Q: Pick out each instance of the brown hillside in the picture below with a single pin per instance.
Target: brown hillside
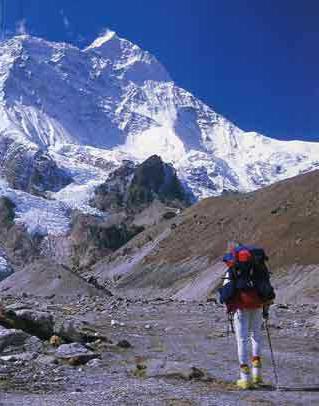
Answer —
(181, 258)
(283, 218)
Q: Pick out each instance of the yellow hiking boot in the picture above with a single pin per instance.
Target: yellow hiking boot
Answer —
(244, 382)
(257, 380)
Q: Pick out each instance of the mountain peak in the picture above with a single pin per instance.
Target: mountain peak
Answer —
(106, 36)
(127, 58)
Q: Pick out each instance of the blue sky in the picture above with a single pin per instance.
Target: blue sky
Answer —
(254, 61)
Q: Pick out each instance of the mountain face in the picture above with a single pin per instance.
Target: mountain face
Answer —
(70, 116)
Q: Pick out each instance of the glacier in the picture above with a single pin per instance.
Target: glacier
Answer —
(90, 109)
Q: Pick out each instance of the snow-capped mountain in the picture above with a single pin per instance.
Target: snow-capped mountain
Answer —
(86, 110)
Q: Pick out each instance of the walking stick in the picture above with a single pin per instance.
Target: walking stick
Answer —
(231, 321)
(272, 354)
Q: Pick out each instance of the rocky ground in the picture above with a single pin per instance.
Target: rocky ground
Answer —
(115, 351)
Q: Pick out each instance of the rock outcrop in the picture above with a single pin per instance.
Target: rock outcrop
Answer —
(133, 188)
(29, 169)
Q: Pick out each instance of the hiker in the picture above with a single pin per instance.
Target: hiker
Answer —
(247, 293)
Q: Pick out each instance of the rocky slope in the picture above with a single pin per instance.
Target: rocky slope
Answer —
(181, 259)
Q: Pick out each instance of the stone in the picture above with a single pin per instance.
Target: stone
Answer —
(74, 330)
(33, 344)
(169, 369)
(36, 323)
(47, 360)
(75, 354)
(12, 338)
(24, 357)
(115, 323)
(282, 306)
(124, 344)
(94, 363)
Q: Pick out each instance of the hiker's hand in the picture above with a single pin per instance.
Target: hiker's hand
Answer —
(269, 303)
(266, 312)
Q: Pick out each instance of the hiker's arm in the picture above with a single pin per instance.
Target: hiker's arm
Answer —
(266, 307)
(227, 277)
(266, 311)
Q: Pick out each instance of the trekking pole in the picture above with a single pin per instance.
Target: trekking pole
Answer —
(231, 322)
(272, 354)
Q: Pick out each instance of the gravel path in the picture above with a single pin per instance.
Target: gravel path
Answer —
(192, 334)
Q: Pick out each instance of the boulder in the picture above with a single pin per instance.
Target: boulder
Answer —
(169, 369)
(12, 338)
(75, 330)
(24, 357)
(95, 363)
(33, 344)
(124, 344)
(75, 354)
(47, 360)
(36, 323)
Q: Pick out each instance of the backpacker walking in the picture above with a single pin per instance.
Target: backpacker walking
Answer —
(247, 293)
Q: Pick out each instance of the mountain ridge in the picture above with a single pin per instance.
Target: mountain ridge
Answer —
(88, 110)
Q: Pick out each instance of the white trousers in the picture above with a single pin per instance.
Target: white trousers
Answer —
(248, 326)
